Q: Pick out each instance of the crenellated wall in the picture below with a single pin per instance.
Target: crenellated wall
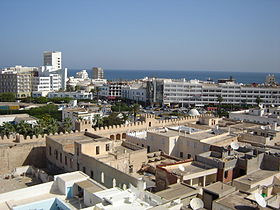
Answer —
(148, 121)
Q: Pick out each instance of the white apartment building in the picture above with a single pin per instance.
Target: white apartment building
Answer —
(265, 116)
(53, 58)
(48, 79)
(112, 90)
(135, 92)
(17, 80)
(75, 95)
(197, 92)
(82, 74)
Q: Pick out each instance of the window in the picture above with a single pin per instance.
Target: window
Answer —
(84, 169)
(107, 147)
(56, 154)
(91, 174)
(60, 157)
(50, 151)
(97, 150)
(181, 154)
(226, 174)
(78, 166)
(78, 151)
(71, 163)
(65, 160)
(130, 168)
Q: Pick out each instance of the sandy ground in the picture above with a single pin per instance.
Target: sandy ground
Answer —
(7, 185)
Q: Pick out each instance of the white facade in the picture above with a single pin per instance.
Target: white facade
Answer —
(75, 114)
(53, 58)
(113, 89)
(75, 95)
(48, 79)
(197, 92)
(269, 116)
(135, 92)
(17, 80)
(82, 74)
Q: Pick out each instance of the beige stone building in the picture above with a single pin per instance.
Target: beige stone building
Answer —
(109, 162)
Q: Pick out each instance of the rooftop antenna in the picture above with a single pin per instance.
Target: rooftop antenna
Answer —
(260, 200)
(196, 203)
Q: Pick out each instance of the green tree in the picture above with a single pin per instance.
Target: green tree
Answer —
(220, 100)
(135, 110)
(24, 128)
(7, 129)
(258, 100)
(96, 92)
(7, 97)
(51, 126)
(39, 128)
(98, 120)
(67, 125)
(77, 88)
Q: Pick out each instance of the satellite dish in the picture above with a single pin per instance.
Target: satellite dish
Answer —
(234, 145)
(181, 168)
(196, 203)
(262, 127)
(260, 200)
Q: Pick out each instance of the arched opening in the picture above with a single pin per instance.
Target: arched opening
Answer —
(123, 135)
(114, 182)
(150, 124)
(118, 136)
(112, 137)
(102, 177)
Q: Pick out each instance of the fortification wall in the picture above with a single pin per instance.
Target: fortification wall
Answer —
(149, 122)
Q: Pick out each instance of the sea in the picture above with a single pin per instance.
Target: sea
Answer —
(240, 77)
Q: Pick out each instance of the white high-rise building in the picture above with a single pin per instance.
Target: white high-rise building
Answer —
(53, 58)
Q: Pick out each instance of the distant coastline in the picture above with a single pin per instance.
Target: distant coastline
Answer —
(241, 77)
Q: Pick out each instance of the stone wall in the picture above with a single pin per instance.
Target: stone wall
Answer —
(15, 155)
(148, 121)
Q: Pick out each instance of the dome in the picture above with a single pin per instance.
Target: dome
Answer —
(193, 112)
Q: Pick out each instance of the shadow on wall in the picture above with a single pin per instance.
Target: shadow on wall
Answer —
(36, 157)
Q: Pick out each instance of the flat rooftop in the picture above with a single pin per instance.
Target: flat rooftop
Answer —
(176, 191)
(255, 177)
(76, 137)
(219, 189)
(237, 200)
(72, 176)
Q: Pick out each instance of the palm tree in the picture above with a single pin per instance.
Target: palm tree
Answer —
(258, 100)
(52, 126)
(96, 91)
(7, 129)
(67, 125)
(220, 100)
(39, 128)
(98, 120)
(24, 128)
(135, 110)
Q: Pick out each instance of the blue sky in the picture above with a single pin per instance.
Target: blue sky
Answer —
(229, 35)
